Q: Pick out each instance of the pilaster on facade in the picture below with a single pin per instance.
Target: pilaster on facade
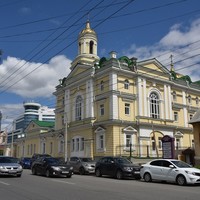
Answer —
(67, 107)
(89, 99)
(112, 81)
(185, 113)
(145, 97)
(140, 97)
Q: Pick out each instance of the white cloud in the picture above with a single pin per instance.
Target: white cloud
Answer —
(182, 41)
(39, 83)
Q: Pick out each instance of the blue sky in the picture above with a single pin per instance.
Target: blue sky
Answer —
(38, 39)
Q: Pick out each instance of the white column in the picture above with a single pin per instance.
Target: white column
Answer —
(166, 103)
(139, 89)
(114, 107)
(145, 97)
(170, 103)
(89, 99)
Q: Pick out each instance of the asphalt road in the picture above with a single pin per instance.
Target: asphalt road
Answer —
(30, 187)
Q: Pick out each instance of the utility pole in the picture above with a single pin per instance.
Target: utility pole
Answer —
(12, 140)
(0, 120)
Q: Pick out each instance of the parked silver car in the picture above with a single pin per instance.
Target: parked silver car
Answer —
(82, 165)
(170, 170)
(10, 166)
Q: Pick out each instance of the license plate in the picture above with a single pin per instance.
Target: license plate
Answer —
(12, 172)
(136, 172)
(65, 172)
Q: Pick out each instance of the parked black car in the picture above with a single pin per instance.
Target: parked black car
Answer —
(118, 167)
(50, 166)
(25, 162)
(36, 156)
(82, 165)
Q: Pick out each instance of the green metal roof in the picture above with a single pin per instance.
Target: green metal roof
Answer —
(44, 123)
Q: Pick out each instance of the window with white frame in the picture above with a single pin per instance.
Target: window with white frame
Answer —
(100, 140)
(51, 147)
(73, 144)
(78, 108)
(176, 116)
(178, 143)
(102, 109)
(102, 86)
(127, 108)
(126, 84)
(82, 144)
(43, 147)
(128, 139)
(77, 144)
(154, 105)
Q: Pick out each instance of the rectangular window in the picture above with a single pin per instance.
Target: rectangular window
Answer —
(82, 144)
(176, 116)
(51, 147)
(102, 109)
(127, 108)
(177, 143)
(128, 140)
(77, 144)
(101, 143)
(73, 144)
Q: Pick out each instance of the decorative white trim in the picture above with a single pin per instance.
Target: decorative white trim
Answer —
(184, 109)
(166, 102)
(113, 81)
(140, 107)
(145, 98)
(170, 103)
(89, 99)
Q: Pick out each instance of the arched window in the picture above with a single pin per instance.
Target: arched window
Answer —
(189, 100)
(126, 84)
(91, 47)
(154, 105)
(78, 107)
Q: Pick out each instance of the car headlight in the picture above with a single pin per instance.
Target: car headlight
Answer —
(2, 167)
(55, 168)
(71, 168)
(128, 168)
(188, 172)
(20, 167)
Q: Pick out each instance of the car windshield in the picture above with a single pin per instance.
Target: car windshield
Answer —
(8, 160)
(86, 159)
(122, 160)
(53, 161)
(181, 164)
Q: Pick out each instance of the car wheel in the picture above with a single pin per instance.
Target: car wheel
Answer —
(81, 171)
(180, 180)
(47, 173)
(34, 171)
(98, 172)
(147, 177)
(119, 174)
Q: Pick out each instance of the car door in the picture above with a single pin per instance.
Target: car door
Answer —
(105, 165)
(168, 172)
(74, 162)
(156, 169)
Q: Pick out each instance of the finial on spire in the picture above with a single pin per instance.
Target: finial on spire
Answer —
(172, 65)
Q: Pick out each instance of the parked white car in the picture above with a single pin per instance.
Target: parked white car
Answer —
(170, 170)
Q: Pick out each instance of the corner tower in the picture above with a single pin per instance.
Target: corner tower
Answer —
(87, 47)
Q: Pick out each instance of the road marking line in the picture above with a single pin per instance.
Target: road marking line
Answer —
(59, 181)
(4, 183)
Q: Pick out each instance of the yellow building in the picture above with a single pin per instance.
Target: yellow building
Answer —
(110, 106)
(40, 138)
